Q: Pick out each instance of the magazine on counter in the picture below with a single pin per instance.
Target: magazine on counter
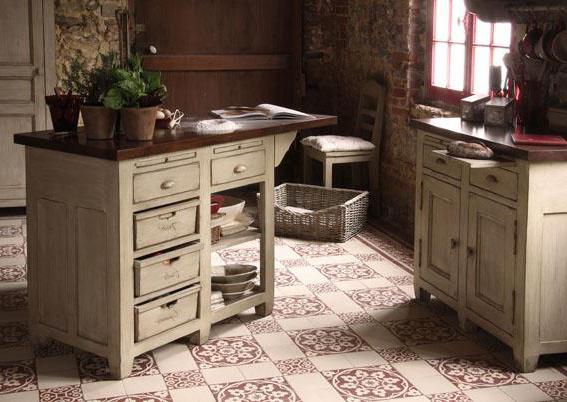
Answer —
(264, 111)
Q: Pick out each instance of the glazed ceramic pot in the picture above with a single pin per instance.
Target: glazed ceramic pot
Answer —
(100, 122)
(64, 111)
(139, 124)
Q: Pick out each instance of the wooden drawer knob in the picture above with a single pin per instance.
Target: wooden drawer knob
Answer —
(238, 169)
(166, 185)
(491, 178)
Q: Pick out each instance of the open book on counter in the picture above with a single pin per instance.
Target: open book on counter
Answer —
(264, 111)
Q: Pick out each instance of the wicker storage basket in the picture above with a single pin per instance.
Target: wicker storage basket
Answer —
(337, 214)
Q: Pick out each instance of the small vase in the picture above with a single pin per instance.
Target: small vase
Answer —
(64, 110)
(139, 123)
(100, 122)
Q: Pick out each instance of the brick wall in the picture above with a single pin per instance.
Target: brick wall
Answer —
(362, 39)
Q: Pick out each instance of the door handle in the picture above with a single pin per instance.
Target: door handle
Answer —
(454, 243)
(470, 251)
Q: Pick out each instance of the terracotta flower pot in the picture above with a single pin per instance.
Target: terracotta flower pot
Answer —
(64, 110)
(100, 122)
(139, 123)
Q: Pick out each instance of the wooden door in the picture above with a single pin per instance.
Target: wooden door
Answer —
(491, 263)
(23, 75)
(216, 53)
(440, 235)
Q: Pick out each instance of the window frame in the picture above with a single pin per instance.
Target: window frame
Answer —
(448, 95)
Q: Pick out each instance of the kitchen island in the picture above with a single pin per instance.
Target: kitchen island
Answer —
(490, 236)
(119, 233)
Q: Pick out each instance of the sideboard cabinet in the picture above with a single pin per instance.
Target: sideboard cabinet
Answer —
(489, 243)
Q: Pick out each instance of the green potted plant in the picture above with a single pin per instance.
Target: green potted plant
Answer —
(137, 94)
(100, 121)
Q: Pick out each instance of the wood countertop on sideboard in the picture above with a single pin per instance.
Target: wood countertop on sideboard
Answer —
(497, 138)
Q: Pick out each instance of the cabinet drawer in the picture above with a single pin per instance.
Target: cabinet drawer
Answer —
(165, 313)
(165, 182)
(440, 164)
(498, 181)
(238, 167)
(249, 145)
(163, 224)
(164, 270)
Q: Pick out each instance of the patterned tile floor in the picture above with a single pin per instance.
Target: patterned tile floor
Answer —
(344, 328)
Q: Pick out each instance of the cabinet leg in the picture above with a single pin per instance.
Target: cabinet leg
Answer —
(265, 309)
(467, 326)
(422, 295)
(525, 363)
(120, 367)
(38, 340)
(200, 337)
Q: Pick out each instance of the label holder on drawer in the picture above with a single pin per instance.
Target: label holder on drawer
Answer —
(475, 163)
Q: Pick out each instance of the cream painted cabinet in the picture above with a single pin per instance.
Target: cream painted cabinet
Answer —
(440, 235)
(491, 261)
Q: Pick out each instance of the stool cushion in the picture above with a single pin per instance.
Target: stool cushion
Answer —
(337, 143)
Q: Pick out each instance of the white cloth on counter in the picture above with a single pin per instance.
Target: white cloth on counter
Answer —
(214, 126)
(337, 143)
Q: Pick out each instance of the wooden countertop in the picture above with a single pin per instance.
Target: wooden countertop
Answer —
(499, 139)
(164, 140)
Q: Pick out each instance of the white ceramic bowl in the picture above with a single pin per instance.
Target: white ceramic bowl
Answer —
(235, 273)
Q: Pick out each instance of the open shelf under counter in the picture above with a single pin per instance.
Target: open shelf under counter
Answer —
(254, 299)
(237, 238)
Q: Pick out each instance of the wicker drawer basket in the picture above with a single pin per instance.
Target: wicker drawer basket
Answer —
(337, 214)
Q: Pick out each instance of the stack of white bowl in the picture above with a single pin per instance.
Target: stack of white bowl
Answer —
(233, 281)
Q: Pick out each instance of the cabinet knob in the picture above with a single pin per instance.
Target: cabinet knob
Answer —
(470, 251)
(166, 185)
(238, 169)
(152, 49)
(454, 243)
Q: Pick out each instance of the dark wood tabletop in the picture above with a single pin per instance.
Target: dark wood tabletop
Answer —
(164, 141)
(498, 139)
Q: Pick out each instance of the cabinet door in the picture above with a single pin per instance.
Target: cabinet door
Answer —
(491, 262)
(22, 89)
(440, 235)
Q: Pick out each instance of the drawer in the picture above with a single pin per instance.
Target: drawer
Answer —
(163, 224)
(439, 163)
(164, 270)
(238, 167)
(165, 181)
(239, 146)
(165, 313)
(498, 181)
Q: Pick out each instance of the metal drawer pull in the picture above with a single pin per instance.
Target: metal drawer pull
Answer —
(238, 169)
(166, 185)
(491, 178)
(441, 161)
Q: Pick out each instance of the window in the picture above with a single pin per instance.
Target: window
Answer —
(461, 49)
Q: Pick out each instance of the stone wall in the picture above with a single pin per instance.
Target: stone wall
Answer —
(350, 41)
(84, 28)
